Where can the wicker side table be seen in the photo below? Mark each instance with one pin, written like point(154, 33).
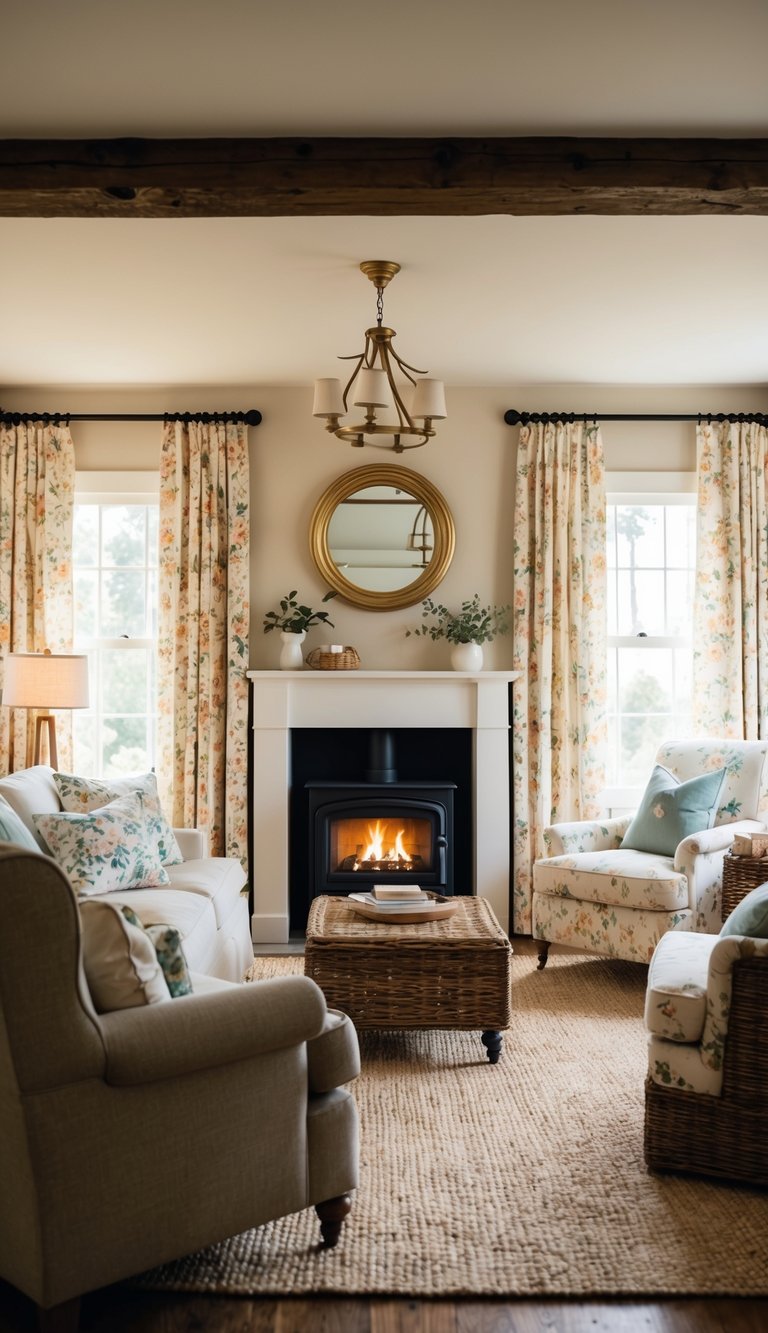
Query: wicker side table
point(741, 874)
point(453, 973)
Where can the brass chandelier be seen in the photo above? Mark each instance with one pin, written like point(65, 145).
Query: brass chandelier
point(373, 386)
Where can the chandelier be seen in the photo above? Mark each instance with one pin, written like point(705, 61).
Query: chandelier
point(373, 386)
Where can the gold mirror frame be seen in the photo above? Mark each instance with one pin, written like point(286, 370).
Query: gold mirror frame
point(384, 474)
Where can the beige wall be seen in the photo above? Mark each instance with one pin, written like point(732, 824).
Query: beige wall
point(471, 461)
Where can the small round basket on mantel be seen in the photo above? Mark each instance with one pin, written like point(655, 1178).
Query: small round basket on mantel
point(322, 659)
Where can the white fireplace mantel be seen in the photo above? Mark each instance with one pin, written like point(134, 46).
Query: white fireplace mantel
point(283, 700)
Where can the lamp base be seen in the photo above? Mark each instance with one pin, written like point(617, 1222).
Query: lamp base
point(47, 719)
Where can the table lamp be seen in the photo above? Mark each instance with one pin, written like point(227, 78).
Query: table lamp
point(46, 680)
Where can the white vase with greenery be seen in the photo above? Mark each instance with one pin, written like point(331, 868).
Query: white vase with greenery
point(466, 629)
point(293, 620)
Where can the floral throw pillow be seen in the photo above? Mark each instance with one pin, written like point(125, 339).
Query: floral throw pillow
point(106, 849)
point(166, 942)
point(81, 795)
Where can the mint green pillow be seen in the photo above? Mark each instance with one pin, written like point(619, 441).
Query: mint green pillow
point(671, 810)
point(750, 916)
point(13, 828)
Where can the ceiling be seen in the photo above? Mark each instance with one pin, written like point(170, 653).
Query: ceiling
point(486, 300)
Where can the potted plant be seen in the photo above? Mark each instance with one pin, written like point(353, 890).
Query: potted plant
point(293, 620)
point(466, 629)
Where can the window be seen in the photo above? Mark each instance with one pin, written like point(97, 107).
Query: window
point(651, 562)
point(115, 583)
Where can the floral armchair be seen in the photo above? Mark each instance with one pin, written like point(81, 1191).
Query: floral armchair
point(593, 894)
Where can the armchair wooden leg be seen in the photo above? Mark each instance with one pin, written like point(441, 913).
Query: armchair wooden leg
point(543, 954)
point(63, 1318)
point(332, 1213)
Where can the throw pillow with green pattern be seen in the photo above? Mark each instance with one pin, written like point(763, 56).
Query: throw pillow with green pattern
point(166, 941)
point(80, 795)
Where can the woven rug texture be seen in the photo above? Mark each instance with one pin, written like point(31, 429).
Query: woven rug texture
point(526, 1178)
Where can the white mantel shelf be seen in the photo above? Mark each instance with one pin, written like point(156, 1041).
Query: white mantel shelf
point(283, 700)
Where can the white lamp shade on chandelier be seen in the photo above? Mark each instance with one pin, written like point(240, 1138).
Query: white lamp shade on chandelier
point(373, 385)
point(46, 680)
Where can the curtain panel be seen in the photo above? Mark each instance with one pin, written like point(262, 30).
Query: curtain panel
point(730, 631)
point(204, 611)
point(559, 639)
point(37, 488)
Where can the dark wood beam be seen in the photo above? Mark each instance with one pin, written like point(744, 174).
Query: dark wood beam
point(155, 178)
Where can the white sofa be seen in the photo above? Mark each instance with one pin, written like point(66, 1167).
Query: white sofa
point(204, 900)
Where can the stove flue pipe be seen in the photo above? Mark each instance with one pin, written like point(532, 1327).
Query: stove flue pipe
point(381, 757)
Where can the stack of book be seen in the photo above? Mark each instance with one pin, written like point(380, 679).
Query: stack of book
point(394, 898)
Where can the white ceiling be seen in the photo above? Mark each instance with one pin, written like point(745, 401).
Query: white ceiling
point(480, 300)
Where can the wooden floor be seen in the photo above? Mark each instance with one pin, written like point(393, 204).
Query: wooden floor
point(116, 1310)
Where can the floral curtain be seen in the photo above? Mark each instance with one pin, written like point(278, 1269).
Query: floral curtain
point(37, 487)
point(730, 631)
point(203, 631)
point(559, 639)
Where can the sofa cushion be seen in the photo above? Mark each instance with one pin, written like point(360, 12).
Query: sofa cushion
point(220, 878)
point(750, 916)
point(192, 914)
point(81, 795)
point(671, 810)
point(120, 962)
point(676, 996)
point(106, 849)
point(621, 878)
point(29, 792)
point(13, 829)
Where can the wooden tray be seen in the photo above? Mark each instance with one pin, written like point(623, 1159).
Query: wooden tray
point(441, 907)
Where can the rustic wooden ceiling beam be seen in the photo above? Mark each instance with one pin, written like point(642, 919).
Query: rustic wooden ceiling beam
point(154, 178)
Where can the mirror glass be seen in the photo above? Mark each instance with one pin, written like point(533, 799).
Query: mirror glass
point(382, 537)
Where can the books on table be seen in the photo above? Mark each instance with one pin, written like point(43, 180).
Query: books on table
point(415, 902)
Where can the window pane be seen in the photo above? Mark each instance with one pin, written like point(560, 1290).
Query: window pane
point(681, 536)
point(125, 677)
point(85, 584)
point(124, 745)
point(153, 520)
point(680, 602)
point(640, 739)
point(123, 535)
point(641, 602)
point(84, 743)
point(640, 536)
point(85, 535)
point(123, 605)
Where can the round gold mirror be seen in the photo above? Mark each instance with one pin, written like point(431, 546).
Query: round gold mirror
point(382, 537)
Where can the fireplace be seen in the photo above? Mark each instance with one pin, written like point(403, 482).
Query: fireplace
point(308, 725)
point(361, 834)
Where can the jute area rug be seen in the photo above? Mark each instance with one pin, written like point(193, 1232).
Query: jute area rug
point(522, 1179)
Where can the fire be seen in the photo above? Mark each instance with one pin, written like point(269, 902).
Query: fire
point(375, 851)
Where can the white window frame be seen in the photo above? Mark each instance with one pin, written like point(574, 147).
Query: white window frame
point(128, 488)
point(636, 488)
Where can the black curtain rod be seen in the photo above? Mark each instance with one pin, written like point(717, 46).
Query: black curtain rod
point(251, 418)
point(514, 418)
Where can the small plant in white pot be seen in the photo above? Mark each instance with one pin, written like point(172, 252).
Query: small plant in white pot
point(293, 620)
point(466, 629)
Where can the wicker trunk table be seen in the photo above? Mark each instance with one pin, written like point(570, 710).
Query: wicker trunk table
point(453, 973)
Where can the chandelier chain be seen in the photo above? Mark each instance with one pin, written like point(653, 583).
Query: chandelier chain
point(379, 305)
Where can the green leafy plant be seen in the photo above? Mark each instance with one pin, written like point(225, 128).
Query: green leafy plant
point(295, 619)
point(472, 623)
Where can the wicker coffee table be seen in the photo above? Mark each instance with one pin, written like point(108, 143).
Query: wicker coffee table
point(453, 973)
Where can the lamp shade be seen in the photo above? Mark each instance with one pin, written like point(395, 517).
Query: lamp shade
point(372, 389)
point(429, 399)
point(328, 399)
point(46, 680)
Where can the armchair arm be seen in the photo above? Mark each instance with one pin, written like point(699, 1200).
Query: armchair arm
point(193, 843)
point(700, 858)
point(333, 1057)
point(197, 1032)
point(728, 950)
point(586, 835)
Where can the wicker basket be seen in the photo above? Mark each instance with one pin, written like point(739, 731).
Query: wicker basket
point(741, 874)
point(347, 660)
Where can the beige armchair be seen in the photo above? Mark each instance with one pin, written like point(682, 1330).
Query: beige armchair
point(591, 893)
point(130, 1138)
